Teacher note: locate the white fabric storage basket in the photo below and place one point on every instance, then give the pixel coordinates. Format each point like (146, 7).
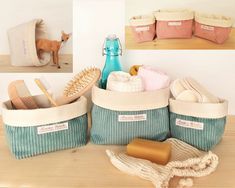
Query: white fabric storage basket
(118, 117)
(215, 28)
(38, 131)
(199, 124)
(22, 43)
(174, 23)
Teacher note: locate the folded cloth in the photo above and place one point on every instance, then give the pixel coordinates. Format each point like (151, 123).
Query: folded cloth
(124, 82)
(186, 161)
(153, 78)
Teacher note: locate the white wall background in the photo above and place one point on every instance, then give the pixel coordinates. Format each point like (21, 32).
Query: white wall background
(138, 7)
(94, 20)
(57, 15)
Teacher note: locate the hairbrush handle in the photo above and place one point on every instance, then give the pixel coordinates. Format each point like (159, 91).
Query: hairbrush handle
(43, 89)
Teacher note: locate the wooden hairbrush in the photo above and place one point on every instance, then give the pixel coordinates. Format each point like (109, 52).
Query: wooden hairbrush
(79, 85)
(20, 95)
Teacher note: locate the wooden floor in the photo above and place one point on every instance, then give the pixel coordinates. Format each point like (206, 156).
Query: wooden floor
(172, 44)
(66, 62)
(90, 167)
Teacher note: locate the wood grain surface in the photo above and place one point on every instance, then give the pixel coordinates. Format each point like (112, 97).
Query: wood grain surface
(66, 62)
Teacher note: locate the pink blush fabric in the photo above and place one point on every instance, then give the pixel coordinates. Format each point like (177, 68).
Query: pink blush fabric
(144, 33)
(174, 29)
(215, 34)
(153, 78)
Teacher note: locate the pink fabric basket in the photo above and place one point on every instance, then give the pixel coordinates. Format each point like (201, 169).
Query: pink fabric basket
(174, 24)
(143, 28)
(213, 27)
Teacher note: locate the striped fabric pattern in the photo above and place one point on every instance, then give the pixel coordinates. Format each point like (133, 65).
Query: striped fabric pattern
(204, 139)
(25, 142)
(106, 129)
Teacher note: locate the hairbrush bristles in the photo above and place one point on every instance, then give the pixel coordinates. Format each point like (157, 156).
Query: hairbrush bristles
(82, 82)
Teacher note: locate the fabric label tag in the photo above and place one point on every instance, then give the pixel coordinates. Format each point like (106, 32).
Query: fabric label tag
(53, 128)
(189, 124)
(206, 27)
(138, 29)
(132, 118)
(174, 23)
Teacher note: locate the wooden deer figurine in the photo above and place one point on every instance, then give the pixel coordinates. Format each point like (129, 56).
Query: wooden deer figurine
(52, 46)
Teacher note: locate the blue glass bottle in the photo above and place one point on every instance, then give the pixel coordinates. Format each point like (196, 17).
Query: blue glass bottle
(112, 49)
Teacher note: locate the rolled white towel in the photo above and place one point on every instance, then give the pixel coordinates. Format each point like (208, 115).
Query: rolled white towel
(124, 82)
(188, 89)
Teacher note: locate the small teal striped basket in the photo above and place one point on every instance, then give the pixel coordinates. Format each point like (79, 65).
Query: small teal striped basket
(117, 117)
(199, 124)
(39, 131)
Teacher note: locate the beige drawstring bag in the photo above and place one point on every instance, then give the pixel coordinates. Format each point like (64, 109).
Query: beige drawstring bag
(186, 161)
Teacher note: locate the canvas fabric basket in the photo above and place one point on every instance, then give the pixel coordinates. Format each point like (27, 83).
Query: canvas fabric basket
(176, 23)
(22, 43)
(39, 131)
(118, 117)
(215, 28)
(198, 124)
(143, 28)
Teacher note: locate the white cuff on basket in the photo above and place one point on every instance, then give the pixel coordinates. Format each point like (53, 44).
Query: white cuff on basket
(174, 14)
(44, 115)
(213, 20)
(201, 110)
(142, 20)
(130, 101)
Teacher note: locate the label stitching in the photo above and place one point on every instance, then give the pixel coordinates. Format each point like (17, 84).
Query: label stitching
(138, 29)
(189, 124)
(174, 23)
(132, 118)
(52, 128)
(206, 27)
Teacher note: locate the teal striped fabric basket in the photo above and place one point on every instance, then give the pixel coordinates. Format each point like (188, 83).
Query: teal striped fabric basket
(198, 124)
(117, 117)
(39, 131)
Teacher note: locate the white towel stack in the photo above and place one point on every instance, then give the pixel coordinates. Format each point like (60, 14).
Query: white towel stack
(124, 82)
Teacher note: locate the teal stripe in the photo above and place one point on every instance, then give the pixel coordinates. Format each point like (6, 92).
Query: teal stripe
(25, 142)
(107, 130)
(204, 139)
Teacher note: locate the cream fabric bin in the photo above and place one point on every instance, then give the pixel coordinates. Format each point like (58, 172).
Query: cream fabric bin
(22, 43)
(118, 117)
(38, 131)
(199, 124)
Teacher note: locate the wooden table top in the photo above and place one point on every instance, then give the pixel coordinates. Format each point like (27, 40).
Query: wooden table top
(174, 44)
(66, 63)
(90, 167)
